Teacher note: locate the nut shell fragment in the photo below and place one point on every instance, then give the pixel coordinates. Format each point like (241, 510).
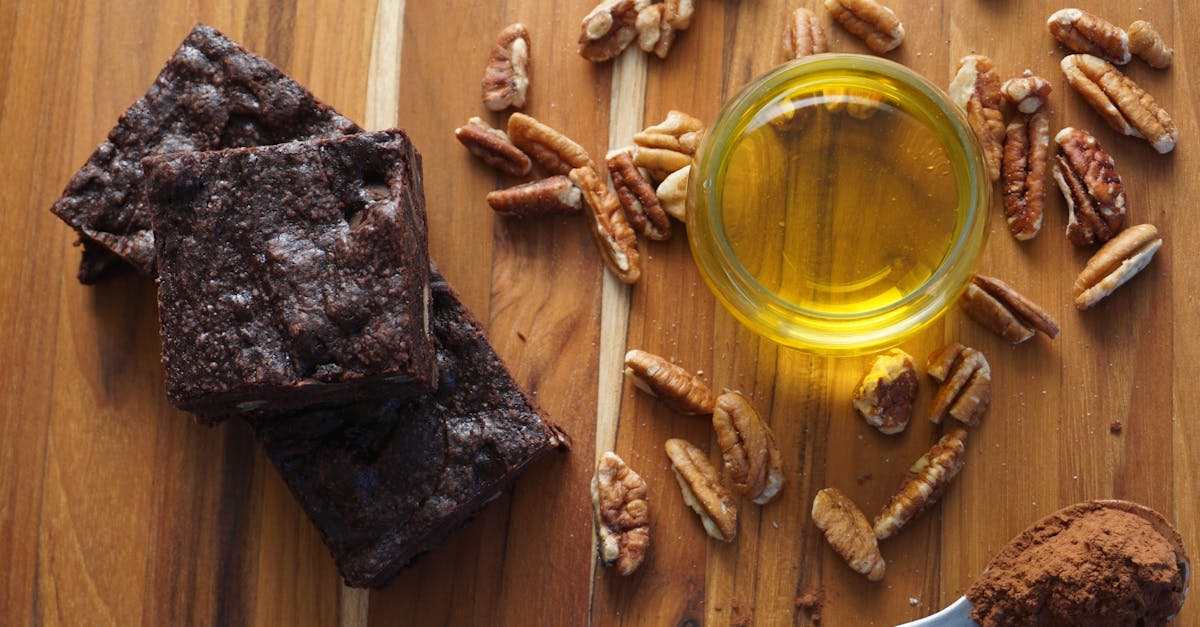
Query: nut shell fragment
(622, 514)
(887, 392)
(752, 459)
(924, 484)
(966, 379)
(848, 532)
(702, 489)
(1088, 179)
(1115, 263)
(875, 24)
(1124, 105)
(678, 389)
(1085, 32)
(506, 77)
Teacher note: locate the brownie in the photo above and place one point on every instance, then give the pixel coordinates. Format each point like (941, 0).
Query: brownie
(293, 274)
(211, 94)
(386, 481)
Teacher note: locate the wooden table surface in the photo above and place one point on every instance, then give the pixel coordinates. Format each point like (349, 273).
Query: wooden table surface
(116, 509)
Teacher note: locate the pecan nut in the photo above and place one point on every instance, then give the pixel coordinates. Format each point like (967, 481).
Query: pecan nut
(1026, 153)
(650, 26)
(966, 379)
(672, 193)
(804, 36)
(875, 24)
(493, 147)
(637, 197)
(1085, 32)
(887, 392)
(1088, 179)
(1121, 102)
(657, 25)
(679, 132)
(752, 459)
(924, 484)
(552, 196)
(678, 389)
(617, 242)
(702, 489)
(848, 532)
(555, 152)
(608, 29)
(975, 88)
(1006, 312)
(622, 514)
(1027, 91)
(506, 77)
(1145, 42)
(1115, 263)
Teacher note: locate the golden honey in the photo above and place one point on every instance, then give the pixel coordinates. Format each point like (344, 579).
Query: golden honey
(838, 205)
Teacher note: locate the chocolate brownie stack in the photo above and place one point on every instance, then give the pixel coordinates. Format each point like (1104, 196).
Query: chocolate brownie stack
(295, 291)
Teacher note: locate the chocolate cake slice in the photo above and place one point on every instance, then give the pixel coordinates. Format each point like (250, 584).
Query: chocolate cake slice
(384, 482)
(292, 275)
(211, 94)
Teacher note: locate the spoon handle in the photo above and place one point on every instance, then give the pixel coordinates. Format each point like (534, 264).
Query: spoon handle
(957, 614)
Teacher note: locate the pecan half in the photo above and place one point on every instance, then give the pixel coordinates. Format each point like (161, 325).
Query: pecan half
(848, 532)
(875, 24)
(1002, 310)
(668, 19)
(552, 196)
(506, 77)
(493, 147)
(1027, 91)
(887, 392)
(650, 26)
(672, 193)
(622, 514)
(752, 459)
(1087, 176)
(702, 489)
(617, 242)
(803, 35)
(1115, 263)
(555, 152)
(637, 196)
(966, 379)
(608, 29)
(679, 132)
(976, 89)
(1081, 31)
(1121, 102)
(1026, 153)
(678, 389)
(1146, 43)
(924, 484)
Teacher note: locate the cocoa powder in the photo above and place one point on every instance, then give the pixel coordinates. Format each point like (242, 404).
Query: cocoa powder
(1096, 563)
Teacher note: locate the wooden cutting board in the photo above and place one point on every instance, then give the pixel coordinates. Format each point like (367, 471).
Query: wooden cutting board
(117, 509)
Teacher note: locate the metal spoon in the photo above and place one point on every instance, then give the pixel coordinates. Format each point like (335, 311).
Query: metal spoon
(957, 614)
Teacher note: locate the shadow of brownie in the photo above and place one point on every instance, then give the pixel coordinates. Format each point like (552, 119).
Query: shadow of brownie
(212, 94)
(386, 481)
(292, 275)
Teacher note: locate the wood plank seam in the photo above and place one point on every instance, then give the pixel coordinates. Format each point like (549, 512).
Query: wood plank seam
(626, 109)
(382, 108)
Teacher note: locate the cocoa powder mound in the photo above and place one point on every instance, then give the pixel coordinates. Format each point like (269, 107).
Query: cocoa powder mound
(1090, 564)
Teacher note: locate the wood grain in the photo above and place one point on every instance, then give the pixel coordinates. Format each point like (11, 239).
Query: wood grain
(117, 509)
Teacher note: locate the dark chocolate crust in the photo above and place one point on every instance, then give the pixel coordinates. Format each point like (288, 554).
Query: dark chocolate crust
(293, 274)
(384, 482)
(211, 94)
